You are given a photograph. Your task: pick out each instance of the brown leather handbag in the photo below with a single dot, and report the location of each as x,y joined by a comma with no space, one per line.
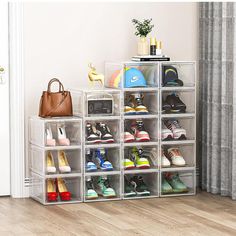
53,104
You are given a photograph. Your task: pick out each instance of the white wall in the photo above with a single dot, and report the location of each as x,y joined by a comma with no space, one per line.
61,38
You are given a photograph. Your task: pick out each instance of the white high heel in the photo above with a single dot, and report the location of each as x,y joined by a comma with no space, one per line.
63,164
62,139
50,141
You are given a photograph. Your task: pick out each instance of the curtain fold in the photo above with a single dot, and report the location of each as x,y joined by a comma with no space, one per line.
217,81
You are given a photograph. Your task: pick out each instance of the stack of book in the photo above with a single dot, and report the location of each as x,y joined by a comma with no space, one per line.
150,58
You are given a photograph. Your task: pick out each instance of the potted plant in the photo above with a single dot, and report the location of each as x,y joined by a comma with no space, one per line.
142,30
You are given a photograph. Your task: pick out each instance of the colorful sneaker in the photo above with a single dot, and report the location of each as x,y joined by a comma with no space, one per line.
129,107
128,136
176,157
101,160
92,136
128,163
166,133
176,104
129,188
140,187
164,160
90,193
141,162
106,136
175,127
165,186
139,106
90,165
141,135
176,183
104,187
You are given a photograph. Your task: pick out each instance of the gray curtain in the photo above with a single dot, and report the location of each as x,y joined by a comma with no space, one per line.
217,81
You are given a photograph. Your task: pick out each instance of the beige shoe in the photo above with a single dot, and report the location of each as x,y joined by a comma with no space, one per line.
50,163
64,166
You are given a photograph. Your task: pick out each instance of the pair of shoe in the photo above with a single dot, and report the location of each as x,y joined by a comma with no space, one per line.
134,105
171,183
173,104
55,187
137,159
135,186
98,133
61,134
63,164
136,132
97,160
171,129
100,187
174,157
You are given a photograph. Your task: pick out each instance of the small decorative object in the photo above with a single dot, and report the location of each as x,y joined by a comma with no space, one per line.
94,76
142,30
152,46
158,48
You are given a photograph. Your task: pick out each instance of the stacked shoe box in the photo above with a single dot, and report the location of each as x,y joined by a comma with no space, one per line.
100,112
178,124
55,160
159,127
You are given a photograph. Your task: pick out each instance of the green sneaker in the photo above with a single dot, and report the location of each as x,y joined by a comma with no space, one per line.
141,162
104,187
91,193
128,164
129,188
177,185
140,187
165,186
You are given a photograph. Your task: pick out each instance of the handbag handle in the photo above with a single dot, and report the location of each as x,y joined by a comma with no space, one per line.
61,87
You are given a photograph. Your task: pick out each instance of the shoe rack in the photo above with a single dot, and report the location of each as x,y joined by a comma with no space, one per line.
39,149
154,93
114,150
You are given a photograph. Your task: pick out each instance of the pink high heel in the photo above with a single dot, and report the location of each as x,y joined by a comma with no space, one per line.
50,141
62,139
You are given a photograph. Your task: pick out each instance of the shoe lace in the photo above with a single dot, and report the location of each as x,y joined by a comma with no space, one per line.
139,101
104,128
176,124
140,125
89,184
106,183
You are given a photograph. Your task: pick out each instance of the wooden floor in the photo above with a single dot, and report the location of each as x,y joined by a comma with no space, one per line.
203,214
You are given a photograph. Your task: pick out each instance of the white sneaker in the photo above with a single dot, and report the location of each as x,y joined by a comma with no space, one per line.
176,157
164,160
166,133
177,130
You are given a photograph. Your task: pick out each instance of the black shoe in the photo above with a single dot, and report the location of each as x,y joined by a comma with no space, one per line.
176,104
129,188
92,134
166,107
140,187
105,133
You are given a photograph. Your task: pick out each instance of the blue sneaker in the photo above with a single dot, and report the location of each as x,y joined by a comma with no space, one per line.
90,165
101,159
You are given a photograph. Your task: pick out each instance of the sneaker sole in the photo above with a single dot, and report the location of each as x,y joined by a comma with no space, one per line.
143,194
169,137
129,140
142,139
91,198
130,195
129,168
143,167
108,141
182,137
93,141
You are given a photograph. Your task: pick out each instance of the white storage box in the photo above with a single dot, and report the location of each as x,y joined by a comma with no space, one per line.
38,128
38,189
38,160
